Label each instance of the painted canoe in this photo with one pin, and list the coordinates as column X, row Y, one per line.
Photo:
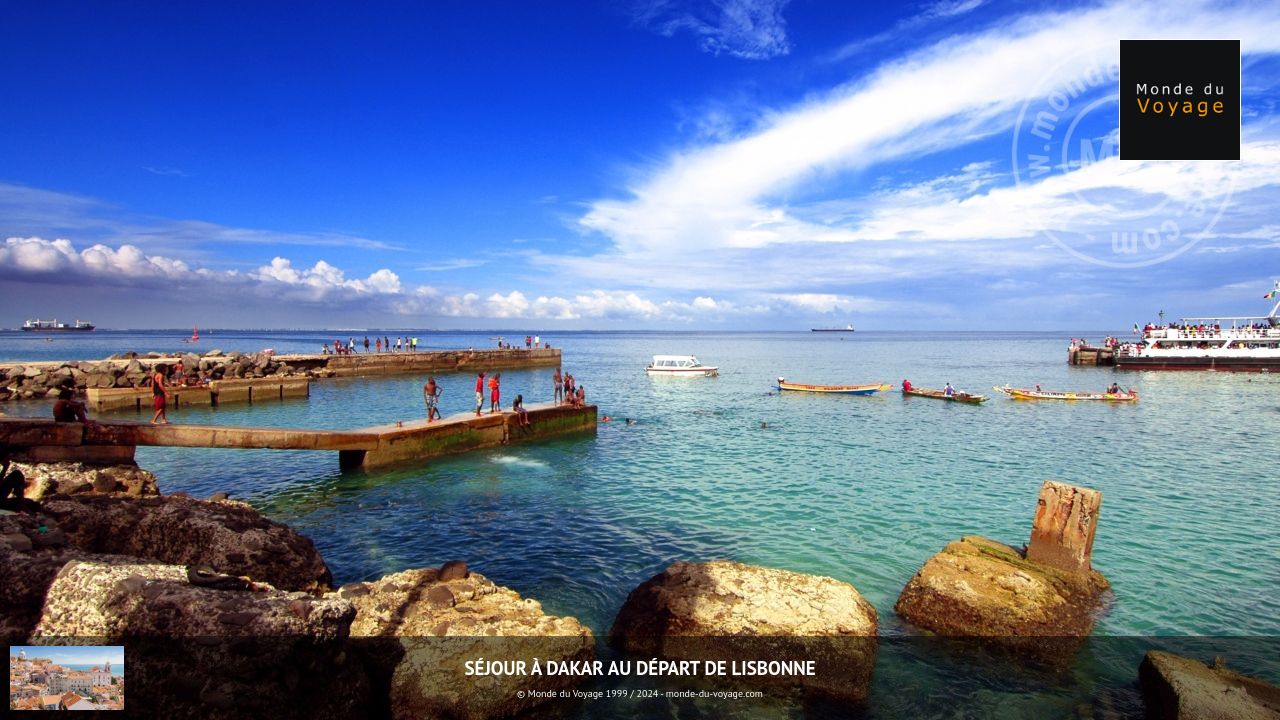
column 960, row 397
column 1024, row 394
column 836, row 389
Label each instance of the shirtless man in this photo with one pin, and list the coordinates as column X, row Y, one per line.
column 431, row 394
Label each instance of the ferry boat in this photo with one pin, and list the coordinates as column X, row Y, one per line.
column 1247, row 344
column 45, row 326
column 846, row 328
column 680, row 366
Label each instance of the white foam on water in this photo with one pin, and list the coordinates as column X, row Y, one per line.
column 521, row 462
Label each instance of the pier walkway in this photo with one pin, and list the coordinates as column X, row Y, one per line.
column 40, row 440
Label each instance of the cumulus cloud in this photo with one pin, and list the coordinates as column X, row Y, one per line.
column 34, row 259
column 749, row 29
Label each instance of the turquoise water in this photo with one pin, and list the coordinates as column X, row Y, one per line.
column 863, row 489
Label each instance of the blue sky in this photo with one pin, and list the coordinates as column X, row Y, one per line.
column 720, row 164
column 72, row 654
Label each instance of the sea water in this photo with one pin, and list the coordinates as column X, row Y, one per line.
column 862, row 489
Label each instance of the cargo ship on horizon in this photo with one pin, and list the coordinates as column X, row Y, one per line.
column 44, row 326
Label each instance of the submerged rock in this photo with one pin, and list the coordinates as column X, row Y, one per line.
column 230, row 537
column 978, row 587
column 439, row 625
column 725, row 610
column 1179, row 688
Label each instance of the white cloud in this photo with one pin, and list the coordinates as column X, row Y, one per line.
column 723, row 216
column 58, row 262
column 750, row 29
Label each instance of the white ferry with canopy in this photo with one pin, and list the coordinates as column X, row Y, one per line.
column 680, row 366
column 1247, row 344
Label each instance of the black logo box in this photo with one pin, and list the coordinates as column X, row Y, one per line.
column 1160, row 77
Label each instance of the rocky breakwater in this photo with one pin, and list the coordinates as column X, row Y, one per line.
column 226, row 536
column 131, row 370
column 744, row 614
column 1040, row 601
column 227, row 614
column 207, row 645
column 425, row 627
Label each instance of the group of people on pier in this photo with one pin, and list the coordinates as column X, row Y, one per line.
column 566, row 392
column 379, row 345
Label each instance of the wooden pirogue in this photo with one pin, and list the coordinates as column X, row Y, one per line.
column 957, row 396
column 1025, row 394
column 836, row 389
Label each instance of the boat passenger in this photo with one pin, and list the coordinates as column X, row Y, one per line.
column 906, row 386
column 1114, row 389
column 948, row 391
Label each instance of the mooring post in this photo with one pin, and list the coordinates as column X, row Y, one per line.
column 1066, row 519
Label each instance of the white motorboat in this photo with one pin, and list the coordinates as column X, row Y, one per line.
column 680, row 366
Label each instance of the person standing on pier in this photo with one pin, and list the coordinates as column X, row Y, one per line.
column 479, row 392
column 377, row 345
column 431, row 393
column 559, row 389
column 366, row 344
column 159, row 395
column 494, row 394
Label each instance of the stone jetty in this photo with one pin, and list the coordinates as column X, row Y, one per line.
column 1042, row 599
column 35, row 380
column 730, row 611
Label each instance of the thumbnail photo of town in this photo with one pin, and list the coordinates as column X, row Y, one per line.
column 66, row 677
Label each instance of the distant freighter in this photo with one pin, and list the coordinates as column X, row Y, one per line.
column 846, row 328
column 55, row 326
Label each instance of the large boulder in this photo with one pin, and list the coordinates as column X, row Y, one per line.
column 197, row 651
column 67, row 478
column 980, row 588
column 1179, row 688
column 441, row 619
column 32, row 551
column 228, row 536
column 725, row 610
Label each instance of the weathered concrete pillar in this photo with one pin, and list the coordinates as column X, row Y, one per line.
column 1066, row 519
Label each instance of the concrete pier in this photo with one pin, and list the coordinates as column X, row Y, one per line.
column 1088, row 355
column 218, row 392
column 39, row 440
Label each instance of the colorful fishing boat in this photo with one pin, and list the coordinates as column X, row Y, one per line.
column 956, row 396
column 837, row 389
column 1025, row 394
